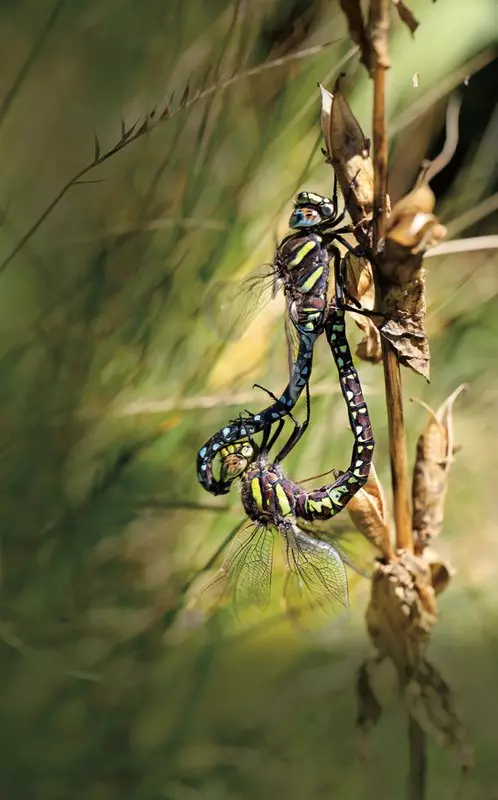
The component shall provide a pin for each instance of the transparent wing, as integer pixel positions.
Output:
(354, 549)
(316, 586)
(292, 336)
(229, 306)
(245, 575)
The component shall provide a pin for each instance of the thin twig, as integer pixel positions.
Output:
(144, 126)
(473, 215)
(472, 244)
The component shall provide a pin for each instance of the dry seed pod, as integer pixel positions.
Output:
(441, 571)
(348, 151)
(370, 347)
(411, 229)
(430, 475)
(360, 284)
(368, 512)
(430, 701)
(402, 610)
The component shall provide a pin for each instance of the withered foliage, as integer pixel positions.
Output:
(365, 36)
(369, 513)
(348, 151)
(360, 285)
(396, 287)
(411, 229)
(402, 611)
(431, 472)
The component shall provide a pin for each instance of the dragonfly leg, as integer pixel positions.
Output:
(276, 434)
(299, 429)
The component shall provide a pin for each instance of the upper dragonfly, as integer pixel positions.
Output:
(301, 267)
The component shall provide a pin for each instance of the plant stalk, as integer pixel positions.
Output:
(379, 63)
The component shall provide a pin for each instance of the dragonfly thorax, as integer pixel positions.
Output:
(267, 495)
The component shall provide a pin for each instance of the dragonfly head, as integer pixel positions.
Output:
(310, 210)
(235, 459)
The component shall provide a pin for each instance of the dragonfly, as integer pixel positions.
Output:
(301, 267)
(276, 506)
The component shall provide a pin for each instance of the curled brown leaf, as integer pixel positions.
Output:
(348, 150)
(360, 285)
(357, 30)
(411, 229)
(369, 514)
(376, 684)
(406, 16)
(430, 701)
(435, 449)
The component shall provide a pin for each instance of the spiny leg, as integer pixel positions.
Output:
(298, 431)
(298, 427)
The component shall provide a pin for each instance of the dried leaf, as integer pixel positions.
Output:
(410, 343)
(360, 285)
(411, 229)
(354, 15)
(377, 685)
(360, 282)
(369, 514)
(406, 16)
(369, 709)
(430, 474)
(370, 347)
(430, 701)
(402, 610)
(347, 150)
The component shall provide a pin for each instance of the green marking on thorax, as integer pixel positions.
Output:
(302, 253)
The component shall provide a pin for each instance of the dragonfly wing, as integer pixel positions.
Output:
(229, 306)
(251, 570)
(293, 343)
(356, 552)
(316, 587)
(245, 574)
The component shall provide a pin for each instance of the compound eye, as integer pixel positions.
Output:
(302, 197)
(327, 209)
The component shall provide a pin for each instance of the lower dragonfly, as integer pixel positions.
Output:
(301, 265)
(316, 578)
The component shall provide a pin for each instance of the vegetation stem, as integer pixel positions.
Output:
(379, 25)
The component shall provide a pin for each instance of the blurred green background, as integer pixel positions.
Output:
(111, 378)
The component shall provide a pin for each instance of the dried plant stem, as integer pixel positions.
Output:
(397, 448)
(379, 22)
(417, 742)
(392, 374)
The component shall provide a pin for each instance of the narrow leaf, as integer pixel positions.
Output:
(96, 154)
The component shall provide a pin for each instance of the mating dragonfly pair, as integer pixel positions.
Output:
(316, 577)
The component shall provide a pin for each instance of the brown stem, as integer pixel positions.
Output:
(379, 21)
(379, 26)
(417, 742)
